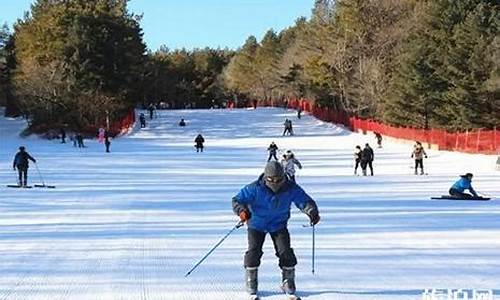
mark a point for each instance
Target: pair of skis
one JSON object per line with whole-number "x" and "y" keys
{"x": 43, "y": 185}
{"x": 29, "y": 186}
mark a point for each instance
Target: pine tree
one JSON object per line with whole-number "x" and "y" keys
{"x": 469, "y": 66}
{"x": 78, "y": 61}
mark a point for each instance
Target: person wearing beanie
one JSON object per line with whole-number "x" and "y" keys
{"x": 264, "y": 205}
{"x": 464, "y": 183}
{"x": 419, "y": 154}
{"x": 21, "y": 162}
{"x": 289, "y": 162}
{"x": 273, "y": 149}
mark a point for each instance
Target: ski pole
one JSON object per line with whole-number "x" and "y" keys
{"x": 40, "y": 174}
{"x": 238, "y": 225}
{"x": 313, "y": 246}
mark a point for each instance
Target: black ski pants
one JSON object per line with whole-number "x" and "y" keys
{"x": 364, "y": 164}
{"x": 23, "y": 175}
{"x": 458, "y": 194}
{"x": 272, "y": 154}
{"x": 281, "y": 241}
{"x": 356, "y": 165}
{"x": 419, "y": 163}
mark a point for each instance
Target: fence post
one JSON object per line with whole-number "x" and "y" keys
{"x": 495, "y": 139}
{"x": 466, "y": 139}
{"x": 477, "y": 141}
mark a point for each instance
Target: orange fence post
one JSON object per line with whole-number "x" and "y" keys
{"x": 477, "y": 140}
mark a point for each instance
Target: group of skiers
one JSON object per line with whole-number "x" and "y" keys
{"x": 364, "y": 158}
{"x": 288, "y": 160}
{"x": 288, "y": 129}
{"x": 276, "y": 186}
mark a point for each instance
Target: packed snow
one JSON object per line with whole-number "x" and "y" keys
{"x": 129, "y": 224}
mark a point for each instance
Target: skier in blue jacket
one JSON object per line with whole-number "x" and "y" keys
{"x": 265, "y": 206}
{"x": 464, "y": 183}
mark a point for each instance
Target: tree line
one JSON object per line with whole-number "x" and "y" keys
{"x": 427, "y": 64}
{"x": 423, "y": 63}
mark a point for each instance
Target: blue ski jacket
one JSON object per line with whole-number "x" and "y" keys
{"x": 269, "y": 211}
{"x": 463, "y": 184}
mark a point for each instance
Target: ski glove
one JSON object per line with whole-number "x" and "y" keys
{"x": 244, "y": 215}
{"x": 314, "y": 217}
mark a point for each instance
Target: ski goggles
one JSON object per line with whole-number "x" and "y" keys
{"x": 274, "y": 179}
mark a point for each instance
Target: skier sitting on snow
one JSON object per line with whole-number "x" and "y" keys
{"x": 265, "y": 206}
{"x": 464, "y": 183}
{"x": 21, "y": 162}
{"x": 182, "y": 123}
{"x": 289, "y": 161}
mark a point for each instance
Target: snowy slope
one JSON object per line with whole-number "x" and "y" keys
{"x": 129, "y": 224}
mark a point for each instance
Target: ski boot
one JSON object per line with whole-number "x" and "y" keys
{"x": 251, "y": 282}
{"x": 288, "y": 282}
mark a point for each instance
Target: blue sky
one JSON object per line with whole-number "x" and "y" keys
{"x": 198, "y": 23}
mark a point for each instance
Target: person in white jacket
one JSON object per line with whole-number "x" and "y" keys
{"x": 289, "y": 162}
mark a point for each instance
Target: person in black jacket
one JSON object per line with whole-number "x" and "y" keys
{"x": 272, "y": 151}
{"x": 378, "y": 136}
{"x": 21, "y": 162}
{"x": 199, "y": 140}
{"x": 367, "y": 159}
{"x": 142, "y": 120}
{"x": 357, "y": 158}
{"x": 63, "y": 135}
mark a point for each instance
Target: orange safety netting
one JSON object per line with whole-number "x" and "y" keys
{"x": 478, "y": 141}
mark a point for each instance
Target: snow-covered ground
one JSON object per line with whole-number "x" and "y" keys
{"x": 129, "y": 224}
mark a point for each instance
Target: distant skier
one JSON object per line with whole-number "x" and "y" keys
{"x": 464, "y": 183}
{"x": 72, "y": 138}
{"x": 273, "y": 149}
{"x": 199, "y": 140}
{"x": 357, "y": 158}
{"x": 142, "y": 120}
{"x": 287, "y": 127}
{"x": 100, "y": 137}
{"x": 419, "y": 154}
{"x": 63, "y": 135}
{"x": 299, "y": 113}
{"x": 378, "y": 136}
{"x": 107, "y": 142}
{"x": 289, "y": 162}
{"x": 151, "y": 109}
{"x": 182, "y": 123}
{"x": 265, "y": 206}
{"x": 367, "y": 157}
{"x": 21, "y": 162}
{"x": 79, "y": 140}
